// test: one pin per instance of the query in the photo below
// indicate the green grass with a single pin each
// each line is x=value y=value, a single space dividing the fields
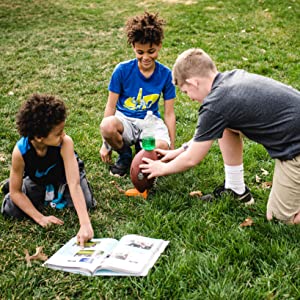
x=70 y=48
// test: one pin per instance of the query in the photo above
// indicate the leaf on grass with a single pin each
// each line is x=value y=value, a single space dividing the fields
x=248 y=222
x=117 y=187
x=264 y=172
x=266 y=185
x=2 y=157
x=257 y=178
x=38 y=255
x=196 y=193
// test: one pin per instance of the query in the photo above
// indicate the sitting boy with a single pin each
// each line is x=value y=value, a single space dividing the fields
x=44 y=160
x=234 y=102
x=136 y=87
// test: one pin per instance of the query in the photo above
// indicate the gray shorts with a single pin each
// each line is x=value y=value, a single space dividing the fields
x=36 y=194
x=133 y=128
x=284 y=199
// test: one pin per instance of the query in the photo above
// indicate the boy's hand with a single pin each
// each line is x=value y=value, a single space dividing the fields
x=85 y=233
x=168 y=155
x=154 y=168
x=48 y=220
x=105 y=154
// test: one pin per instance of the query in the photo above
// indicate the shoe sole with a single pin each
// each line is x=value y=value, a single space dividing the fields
x=116 y=175
x=211 y=198
x=2 y=206
x=250 y=202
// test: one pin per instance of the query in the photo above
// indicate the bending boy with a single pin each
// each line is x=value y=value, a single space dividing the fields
x=136 y=87
x=234 y=102
x=44 y=160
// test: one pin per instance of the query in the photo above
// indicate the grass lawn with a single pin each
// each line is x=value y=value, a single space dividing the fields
x=69 y=48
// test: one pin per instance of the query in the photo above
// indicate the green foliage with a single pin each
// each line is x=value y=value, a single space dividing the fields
x=70 y=48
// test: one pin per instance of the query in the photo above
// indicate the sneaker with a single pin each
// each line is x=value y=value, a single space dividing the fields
x=4 y=186
x=122 y=165
x=219 y=191
x=2 y=206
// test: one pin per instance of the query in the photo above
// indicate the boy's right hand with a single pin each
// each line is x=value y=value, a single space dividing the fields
x=48 y=220
x=105 y=154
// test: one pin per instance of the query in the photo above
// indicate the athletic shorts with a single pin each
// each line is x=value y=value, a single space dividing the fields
x=36 y=194
x=284 y=199
x=133 y=128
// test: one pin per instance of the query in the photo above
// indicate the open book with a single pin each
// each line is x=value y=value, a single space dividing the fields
x=133 y=255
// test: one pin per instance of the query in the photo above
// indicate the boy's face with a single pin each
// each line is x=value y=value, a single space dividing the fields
x=55 y=136
x=195 y=88
x=146 y=55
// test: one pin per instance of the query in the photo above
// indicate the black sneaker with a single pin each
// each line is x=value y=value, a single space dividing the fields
x=122 y=165
x=219 y=191
x=4 y=186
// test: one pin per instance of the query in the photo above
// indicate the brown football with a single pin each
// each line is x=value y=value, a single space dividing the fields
x=139 y=179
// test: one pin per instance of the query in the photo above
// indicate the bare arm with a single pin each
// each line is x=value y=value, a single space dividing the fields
x=185 y=160
x=110 y=109
x=111 y=104
x=19 y=198
x=85 y=232
x=170 y=120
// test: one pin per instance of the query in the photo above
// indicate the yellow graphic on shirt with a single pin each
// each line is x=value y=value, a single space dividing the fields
x=140 y=102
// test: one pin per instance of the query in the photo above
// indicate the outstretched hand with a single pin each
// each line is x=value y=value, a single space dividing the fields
x=168 y=155
x=85 y=233
x=105 y=154
x=48 y=220
x=152 y=167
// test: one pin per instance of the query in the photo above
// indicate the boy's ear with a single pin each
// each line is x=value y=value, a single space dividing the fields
x=38 y=139
x=192 y=81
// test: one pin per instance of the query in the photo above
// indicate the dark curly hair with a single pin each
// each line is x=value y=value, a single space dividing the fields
x=146 y=28
x=39 y=115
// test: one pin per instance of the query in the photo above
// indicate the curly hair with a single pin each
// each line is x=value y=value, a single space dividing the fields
x=146 y=28
x=39 y=115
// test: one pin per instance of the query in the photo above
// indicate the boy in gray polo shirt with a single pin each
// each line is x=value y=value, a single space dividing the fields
x=235 y=102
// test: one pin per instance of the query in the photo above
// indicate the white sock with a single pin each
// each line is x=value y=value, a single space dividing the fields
x=234 y=178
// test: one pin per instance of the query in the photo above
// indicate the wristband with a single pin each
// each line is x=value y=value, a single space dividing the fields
x=185 y=146
x=107 y=146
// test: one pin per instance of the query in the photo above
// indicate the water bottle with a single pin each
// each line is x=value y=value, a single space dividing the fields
x=148 y=134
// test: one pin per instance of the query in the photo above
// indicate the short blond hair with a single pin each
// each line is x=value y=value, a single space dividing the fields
x=192 y=63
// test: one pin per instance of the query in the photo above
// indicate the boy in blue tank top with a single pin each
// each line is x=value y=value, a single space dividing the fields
x=135 y=87
x=45 y=166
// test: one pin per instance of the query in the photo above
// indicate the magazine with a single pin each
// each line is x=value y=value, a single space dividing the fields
x=133 y=255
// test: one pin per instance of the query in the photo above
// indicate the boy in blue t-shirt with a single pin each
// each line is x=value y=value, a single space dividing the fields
x=136 y=87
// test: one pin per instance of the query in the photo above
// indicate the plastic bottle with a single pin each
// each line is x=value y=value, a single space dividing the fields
x=148 y=134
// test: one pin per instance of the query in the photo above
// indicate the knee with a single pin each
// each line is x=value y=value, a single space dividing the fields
x=108 y=126
x=269 y=216
x=297 y=218
x=88 y=193
x=162 y=145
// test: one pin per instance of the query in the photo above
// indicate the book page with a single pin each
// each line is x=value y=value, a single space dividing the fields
x=72 y=257
x=135 y=255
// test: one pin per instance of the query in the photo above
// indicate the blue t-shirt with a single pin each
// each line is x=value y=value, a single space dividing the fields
x=137 y=94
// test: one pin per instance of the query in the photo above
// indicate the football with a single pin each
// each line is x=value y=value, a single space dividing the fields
x=139 y=179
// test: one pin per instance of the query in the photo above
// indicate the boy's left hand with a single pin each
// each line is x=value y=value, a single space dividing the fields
x=85 y=233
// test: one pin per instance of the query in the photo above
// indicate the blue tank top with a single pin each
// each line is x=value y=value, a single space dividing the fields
x=45 y=170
